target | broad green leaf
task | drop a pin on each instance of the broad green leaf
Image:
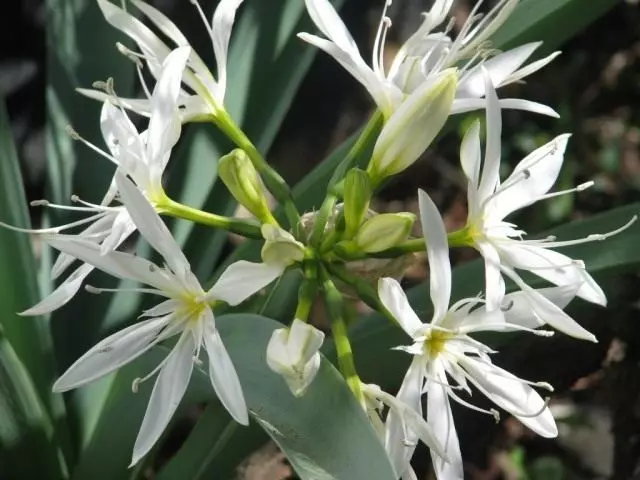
(535, 20)
(325, 433)
(27, 444)
(374, 335)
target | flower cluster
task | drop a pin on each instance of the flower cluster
(342, 245)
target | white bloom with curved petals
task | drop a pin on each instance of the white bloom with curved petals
(427, 53)
(500, 242)
(185, 312)
(294, 354)
(143, 156)
(443, 352)
(202, 94)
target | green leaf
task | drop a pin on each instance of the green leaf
(374, 335)
(27, 444)
(325, 433)
(535, 20)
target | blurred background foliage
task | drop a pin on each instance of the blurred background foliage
(47, 50)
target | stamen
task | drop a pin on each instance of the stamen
(507, 307)
(93, 206)
(72, 133)
(492, 411)
(54, 230)
(534, 414)
(579, 188)
(98, 290)
(131, 55)
(75, 136)
(513, 326)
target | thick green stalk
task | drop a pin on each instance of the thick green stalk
(335, 307)
(172, 208)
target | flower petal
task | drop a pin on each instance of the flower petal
(221, 26)
(470, 156)
(440, 417)
(519, 310)
(241, 280)
(111, 353)
(167, 393)
(121, 229)
(554, 267)
(534, 175)
(119, 264)
(303, 342)
(398, 446)
(464, 105)
(494, 283)
(395, 300)
(223, 374)
(435, 237)
(499, 69)
(62, 294)
(151, 226)
(510, 393)
(331, 25)
(491, 169)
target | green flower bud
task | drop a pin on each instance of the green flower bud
(280, 247)
(413, 126)
(241, 178)
(384, 231)
(357, 194)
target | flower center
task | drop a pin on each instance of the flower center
(435, 343)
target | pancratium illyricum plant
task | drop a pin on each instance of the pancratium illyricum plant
(334, 248)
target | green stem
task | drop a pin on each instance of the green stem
(172, 208)
(272, 179)
(307, 293)
(347, 366)
(365, 291)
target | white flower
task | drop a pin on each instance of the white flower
(202, 95)
(443, 350)
(500, 242)
(143, 156)
(294, 353)
(427, 53)
(186, 312)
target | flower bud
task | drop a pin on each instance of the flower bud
(293, 353)
(241, 178)
(357, 194)
(413, 126)
(384, 231)
(280, 247)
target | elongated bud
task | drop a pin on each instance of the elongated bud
(413, 126)
(357, 194)
(384, 231)
(280, 247)
(242, 180)
(293, 353)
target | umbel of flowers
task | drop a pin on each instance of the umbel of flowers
(433, 76)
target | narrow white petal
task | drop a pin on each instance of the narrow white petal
(151, 225)
(509, 393)
(395, 300)
(440, 417)
(400, 442)
(221, 26)
(164, 124)
(223, 374)
(491, 168)
(278, 357)
(122, 229)
(387, 97)
(535, 175)
(138, 105)
(464, 105)
(499, 68)
(553, 315)
(494, 283)
(531, 68)
(111, 353)
(134, 28)
(554, 267)
(120, 135)
(331, 25)
(119, 264)
(518, 309)
(435, 237)
(167, 393)
(241, 280)
(470, 155)
(62, 294)
(163, 23)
